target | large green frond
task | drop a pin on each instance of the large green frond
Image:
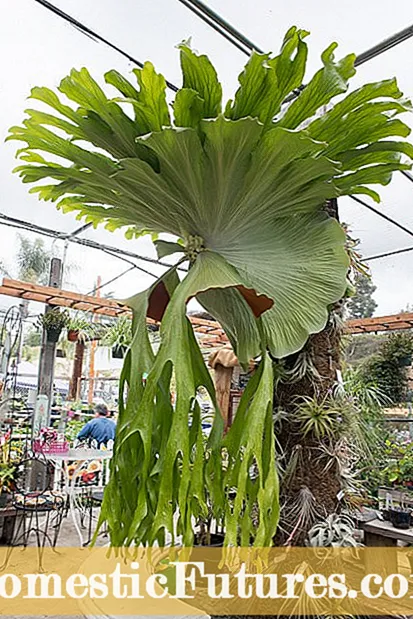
(251, 184)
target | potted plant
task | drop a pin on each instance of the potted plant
(80, 329)
(400, 517)
(398, 471)
(54, 321)
(118, 336)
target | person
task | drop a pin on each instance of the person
(101, 429)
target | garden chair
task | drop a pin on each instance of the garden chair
(40, 507)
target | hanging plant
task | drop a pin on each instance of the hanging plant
(118, 333)
(243, 190)
(82, 329)
(54, 321)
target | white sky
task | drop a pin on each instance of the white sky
(38, 48)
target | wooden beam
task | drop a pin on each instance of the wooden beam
(106, 307)
(210, 329)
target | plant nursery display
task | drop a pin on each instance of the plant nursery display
(242, 186)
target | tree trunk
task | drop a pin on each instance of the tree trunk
(309, 490)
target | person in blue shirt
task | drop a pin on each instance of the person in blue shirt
(101, 429)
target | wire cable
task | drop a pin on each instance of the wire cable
(110, 281)
(197, 6)
(380, 214)
(92, 34)
(384, 46)
(388, 253)
(408, 175)
(219, 24)
(76, 231)
(205, 12)
(115, 251)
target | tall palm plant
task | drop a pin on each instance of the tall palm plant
(33, 260)
(242, 187)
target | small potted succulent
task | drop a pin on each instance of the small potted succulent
(54, 321)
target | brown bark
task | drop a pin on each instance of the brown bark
(309, 480)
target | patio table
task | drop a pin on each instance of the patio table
(80, 458)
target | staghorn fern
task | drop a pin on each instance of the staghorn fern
(243, 190)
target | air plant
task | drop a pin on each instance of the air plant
(335, 530)
(304, 366)
(318, 418)
(301, 513)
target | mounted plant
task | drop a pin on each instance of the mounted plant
(54, 321)
(243, 188)
(336, 530)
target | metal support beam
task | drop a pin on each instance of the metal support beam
(48, 349)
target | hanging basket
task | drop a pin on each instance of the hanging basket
(72, 335)
(118, 352)
(53, 335)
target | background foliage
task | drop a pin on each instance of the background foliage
(386, 368)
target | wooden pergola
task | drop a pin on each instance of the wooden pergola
(210, 332)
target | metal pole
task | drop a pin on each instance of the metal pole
(48, 349)
(93, 346)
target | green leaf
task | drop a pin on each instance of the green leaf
(250, 188)
(327, 83)
(166, 248)
(265, 81)
(231, 310)
(256, 96)
(374, 174)
(291, 63)
(188, 108)
(250, 441)
(151, 109)
(200, 76)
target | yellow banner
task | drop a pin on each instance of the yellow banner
(197, 581)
